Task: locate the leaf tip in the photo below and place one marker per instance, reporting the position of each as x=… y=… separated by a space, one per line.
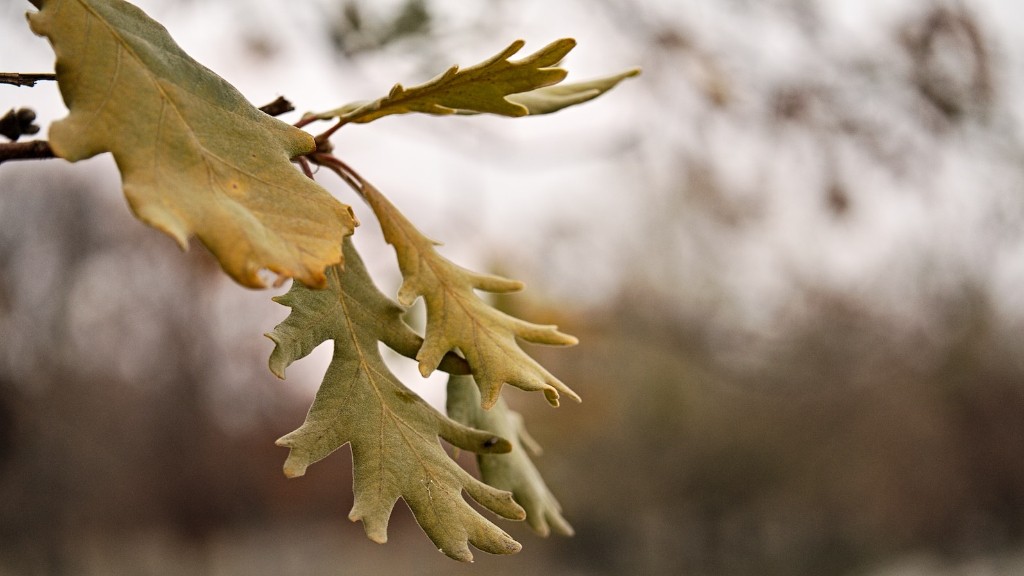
x=292 y=469
x=276 y=367
x=157 y=217
x=376 y=529
x=559 y=48
x=496 y=284
x=518 y=514
x=573 y=396
x=461 y=554
x=552 y=396
x=425 y=369
x=277 y=363
x=514 y=47
x=514 y=547
x=518 y=110
x=541 y=529
x=494 y=445
x=563 y=528
x=487 y=401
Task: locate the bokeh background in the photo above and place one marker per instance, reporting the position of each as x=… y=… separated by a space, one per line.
x=792 y=250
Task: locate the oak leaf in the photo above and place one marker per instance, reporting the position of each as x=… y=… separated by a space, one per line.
x=457 y=319
x=483 y=88
x=392 y=431
x=514 y=471
x=195 y=157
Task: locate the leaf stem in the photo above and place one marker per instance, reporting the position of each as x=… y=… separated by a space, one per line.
x=343 y=170
x=304 y=164
x=321 y=138
x=306 y=120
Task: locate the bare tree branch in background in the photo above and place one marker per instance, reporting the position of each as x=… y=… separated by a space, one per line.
x=22 y=79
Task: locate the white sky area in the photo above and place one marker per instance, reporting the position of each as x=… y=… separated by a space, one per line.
x=601 y=179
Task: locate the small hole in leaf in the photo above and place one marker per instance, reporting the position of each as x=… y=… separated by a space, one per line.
x=270 y=278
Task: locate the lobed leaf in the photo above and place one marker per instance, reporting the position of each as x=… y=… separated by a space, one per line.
x=392 y=431
x=483 y=88
x=195 y=157
x=457 y=319
x=514 y=472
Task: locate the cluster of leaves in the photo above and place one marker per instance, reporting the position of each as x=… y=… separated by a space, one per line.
x=197 y=159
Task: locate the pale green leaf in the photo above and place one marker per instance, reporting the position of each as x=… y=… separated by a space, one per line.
x=483 y=88
x=195 y=157
x=392 y=431
x=514 y=471
x=457 y=319
x=554 y=98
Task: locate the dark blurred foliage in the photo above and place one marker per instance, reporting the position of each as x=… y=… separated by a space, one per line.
x=835 y=429
x=955 y=87
x=353 y=31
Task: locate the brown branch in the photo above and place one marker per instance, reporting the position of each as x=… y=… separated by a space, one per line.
x=31 y=150
x=277 y=107
x=19 y=79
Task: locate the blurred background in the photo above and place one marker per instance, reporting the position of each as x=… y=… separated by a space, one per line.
x=792 y=250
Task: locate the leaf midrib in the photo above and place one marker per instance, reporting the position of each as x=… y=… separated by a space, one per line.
x=372 y=374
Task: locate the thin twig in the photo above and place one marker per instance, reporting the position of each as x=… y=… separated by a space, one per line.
x=19 y=79
x=31 y=150
x=277 y=107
